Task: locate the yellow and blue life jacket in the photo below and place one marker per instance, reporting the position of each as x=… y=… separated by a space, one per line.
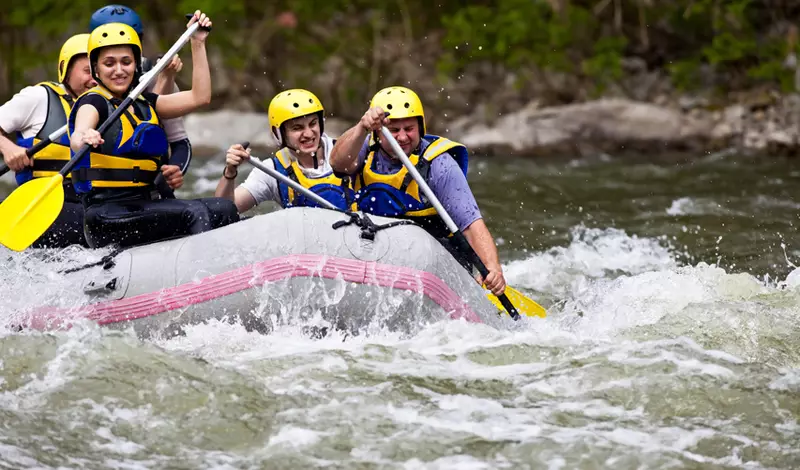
x=51 y=159
x=337 y=191
x=134 y=148
x=397 y=194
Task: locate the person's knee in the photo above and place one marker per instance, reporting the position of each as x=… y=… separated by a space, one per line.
x=223 y=211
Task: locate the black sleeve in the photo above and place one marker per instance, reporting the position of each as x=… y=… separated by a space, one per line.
x=97 y=102
x=151 y=98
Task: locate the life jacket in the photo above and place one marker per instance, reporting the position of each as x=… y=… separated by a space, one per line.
x=338 y=191
x=51 y=159
x=134 y=147
x=398 y=195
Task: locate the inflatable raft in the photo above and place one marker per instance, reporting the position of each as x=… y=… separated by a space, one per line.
x=302 y=266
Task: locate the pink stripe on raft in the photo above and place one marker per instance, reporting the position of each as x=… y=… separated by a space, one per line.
x=246 y=277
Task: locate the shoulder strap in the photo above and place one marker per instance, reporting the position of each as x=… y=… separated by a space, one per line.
x=283 y=158
x=439 y=145
x=57 y=88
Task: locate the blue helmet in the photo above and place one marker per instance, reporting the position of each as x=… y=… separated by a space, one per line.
x=116 y=14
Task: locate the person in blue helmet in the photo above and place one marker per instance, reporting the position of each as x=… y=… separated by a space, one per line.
x=180 y=147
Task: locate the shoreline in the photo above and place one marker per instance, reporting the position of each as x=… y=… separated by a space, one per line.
x=769 y=125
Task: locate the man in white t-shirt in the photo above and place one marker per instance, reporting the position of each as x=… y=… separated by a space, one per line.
x=33 y=114
x=297 y=121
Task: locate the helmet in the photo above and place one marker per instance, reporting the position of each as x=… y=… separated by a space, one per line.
x=401 y=103
x=74 y=46
x=292 y=104
x=114 y=34
x=116 y=14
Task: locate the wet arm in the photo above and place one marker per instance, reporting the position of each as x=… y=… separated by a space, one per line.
x=240 y=196
x=479 y=238
x=86 y=118
x=344 y=155
x=184 y=102
x=165 y=84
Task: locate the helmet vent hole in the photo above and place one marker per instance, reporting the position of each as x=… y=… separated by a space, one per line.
x=296 y=105
x=122 y=33
x=389 y=106
x=105 y=35
x=408 y=105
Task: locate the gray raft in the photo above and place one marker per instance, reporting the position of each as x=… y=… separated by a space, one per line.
x=286 y=267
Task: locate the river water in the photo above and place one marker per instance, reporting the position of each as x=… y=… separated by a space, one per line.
x=672 y=341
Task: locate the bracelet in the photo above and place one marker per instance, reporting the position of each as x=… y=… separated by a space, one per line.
x=224 y=173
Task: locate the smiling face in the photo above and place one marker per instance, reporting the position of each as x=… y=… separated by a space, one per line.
x=116 y=67
x=405 y=132
x=303 y=134
x=79 y=77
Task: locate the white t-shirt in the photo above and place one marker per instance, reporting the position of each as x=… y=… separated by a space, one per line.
x=25 y=112
x=265 y=188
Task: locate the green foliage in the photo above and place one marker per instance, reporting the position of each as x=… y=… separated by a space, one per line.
x=732 y=36
x=742 y=42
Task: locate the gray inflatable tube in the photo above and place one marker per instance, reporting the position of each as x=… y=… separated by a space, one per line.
x=286 y=267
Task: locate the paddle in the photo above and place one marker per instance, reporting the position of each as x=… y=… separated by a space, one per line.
x=33 y=207
x=458 y=236
x=36 y=148
x=524 y=304
x=285 y=180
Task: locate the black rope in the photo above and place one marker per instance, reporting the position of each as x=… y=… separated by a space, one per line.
x=368 y=227
x=106 y=261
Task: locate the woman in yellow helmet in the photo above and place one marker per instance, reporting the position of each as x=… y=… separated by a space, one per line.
x=297 y=122
x=384 y=186
x=116 y=178
x=33 y=114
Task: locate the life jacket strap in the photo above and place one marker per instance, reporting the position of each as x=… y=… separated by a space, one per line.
x=134 y=175
x=368 y=227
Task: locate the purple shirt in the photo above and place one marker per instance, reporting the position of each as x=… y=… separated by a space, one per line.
x=445 y=179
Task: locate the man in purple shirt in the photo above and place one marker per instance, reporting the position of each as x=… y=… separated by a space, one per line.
x=384 y=186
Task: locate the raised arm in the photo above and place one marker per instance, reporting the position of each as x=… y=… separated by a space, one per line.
x=344 y=155
x=165 y=82
x=184 y=102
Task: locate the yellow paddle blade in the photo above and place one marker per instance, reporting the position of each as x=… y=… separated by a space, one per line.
x=525 y=305
x=29 y=211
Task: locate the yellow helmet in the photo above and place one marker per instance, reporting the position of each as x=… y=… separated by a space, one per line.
x=291 y=104
x=114 y=34
x=74 y=46
x=400 y=102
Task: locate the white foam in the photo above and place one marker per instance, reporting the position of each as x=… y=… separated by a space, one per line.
x=591 y=254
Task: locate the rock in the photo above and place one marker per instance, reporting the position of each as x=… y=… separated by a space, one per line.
x=611 y=126
x=688 y=103
x=780 y=138
x=603 y=125
x=213 y=132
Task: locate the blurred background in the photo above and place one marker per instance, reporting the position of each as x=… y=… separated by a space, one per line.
x=479 y=57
